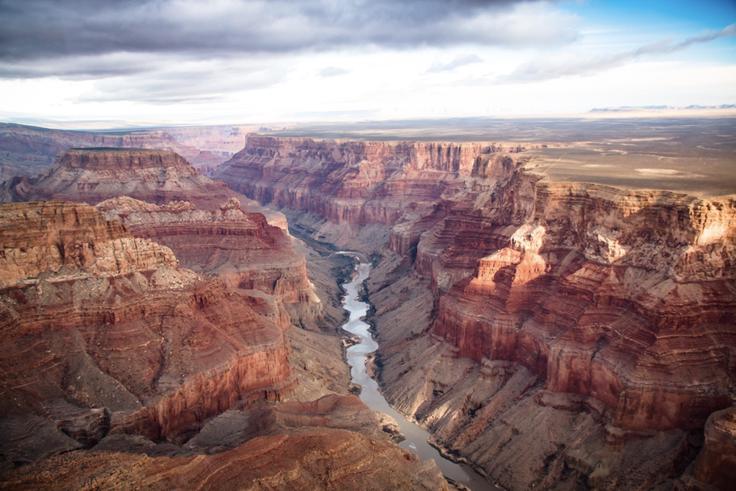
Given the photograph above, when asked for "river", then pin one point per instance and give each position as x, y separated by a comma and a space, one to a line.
416, 437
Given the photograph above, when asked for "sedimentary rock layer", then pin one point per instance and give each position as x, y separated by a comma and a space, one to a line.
103, 332
332, 443
241, 248
155, 176
97, 174
357, 182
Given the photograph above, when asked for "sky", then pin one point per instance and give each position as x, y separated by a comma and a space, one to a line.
259, 61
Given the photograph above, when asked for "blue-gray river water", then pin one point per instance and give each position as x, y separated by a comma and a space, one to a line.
416, 437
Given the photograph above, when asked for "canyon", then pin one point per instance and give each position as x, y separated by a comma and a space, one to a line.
549, 333
118, 356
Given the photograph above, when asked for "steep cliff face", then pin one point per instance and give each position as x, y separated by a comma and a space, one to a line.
627, 297
716, 464
156, 176
548, 332
105, 333
357, 182
241, 248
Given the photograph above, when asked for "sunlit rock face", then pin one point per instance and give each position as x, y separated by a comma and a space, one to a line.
239, 247
551, 333
105, 333
627, 297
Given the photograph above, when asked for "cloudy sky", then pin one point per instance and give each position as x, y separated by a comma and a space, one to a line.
241, 61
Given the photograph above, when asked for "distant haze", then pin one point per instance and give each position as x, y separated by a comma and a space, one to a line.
153, 62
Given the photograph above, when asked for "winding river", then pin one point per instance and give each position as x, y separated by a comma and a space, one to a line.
416, 437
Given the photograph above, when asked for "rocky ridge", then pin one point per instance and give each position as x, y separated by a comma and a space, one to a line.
548, 333
332, 443
29, 150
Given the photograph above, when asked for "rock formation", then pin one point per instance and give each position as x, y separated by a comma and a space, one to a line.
332, 443
357, 183
104, 333
241, 248
716, 464
28, 150
96, 174
550, 333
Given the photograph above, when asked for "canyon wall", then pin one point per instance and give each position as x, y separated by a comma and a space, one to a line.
115, 354
94, 175
241, 248
547, 332
106, 333
357, 183
203, 221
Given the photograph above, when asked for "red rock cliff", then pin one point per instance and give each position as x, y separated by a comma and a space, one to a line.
627, 297
156, 176
357, 182
105, 332
241, 248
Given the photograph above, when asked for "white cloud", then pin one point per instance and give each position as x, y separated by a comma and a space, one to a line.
568, 64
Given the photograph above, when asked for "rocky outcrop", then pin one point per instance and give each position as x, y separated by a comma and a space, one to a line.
241, 248
106, 333
716, 464
332, 443
612, 308
155, 176
151, 175
548, 332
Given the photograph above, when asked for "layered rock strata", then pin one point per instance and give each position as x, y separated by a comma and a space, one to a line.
155, 176
622, 296
28, 150
548, 333
106, 333
358, 183
716, 464
241, 248
332, 443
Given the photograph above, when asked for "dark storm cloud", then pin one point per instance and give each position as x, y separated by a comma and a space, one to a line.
45, 29
549, 68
